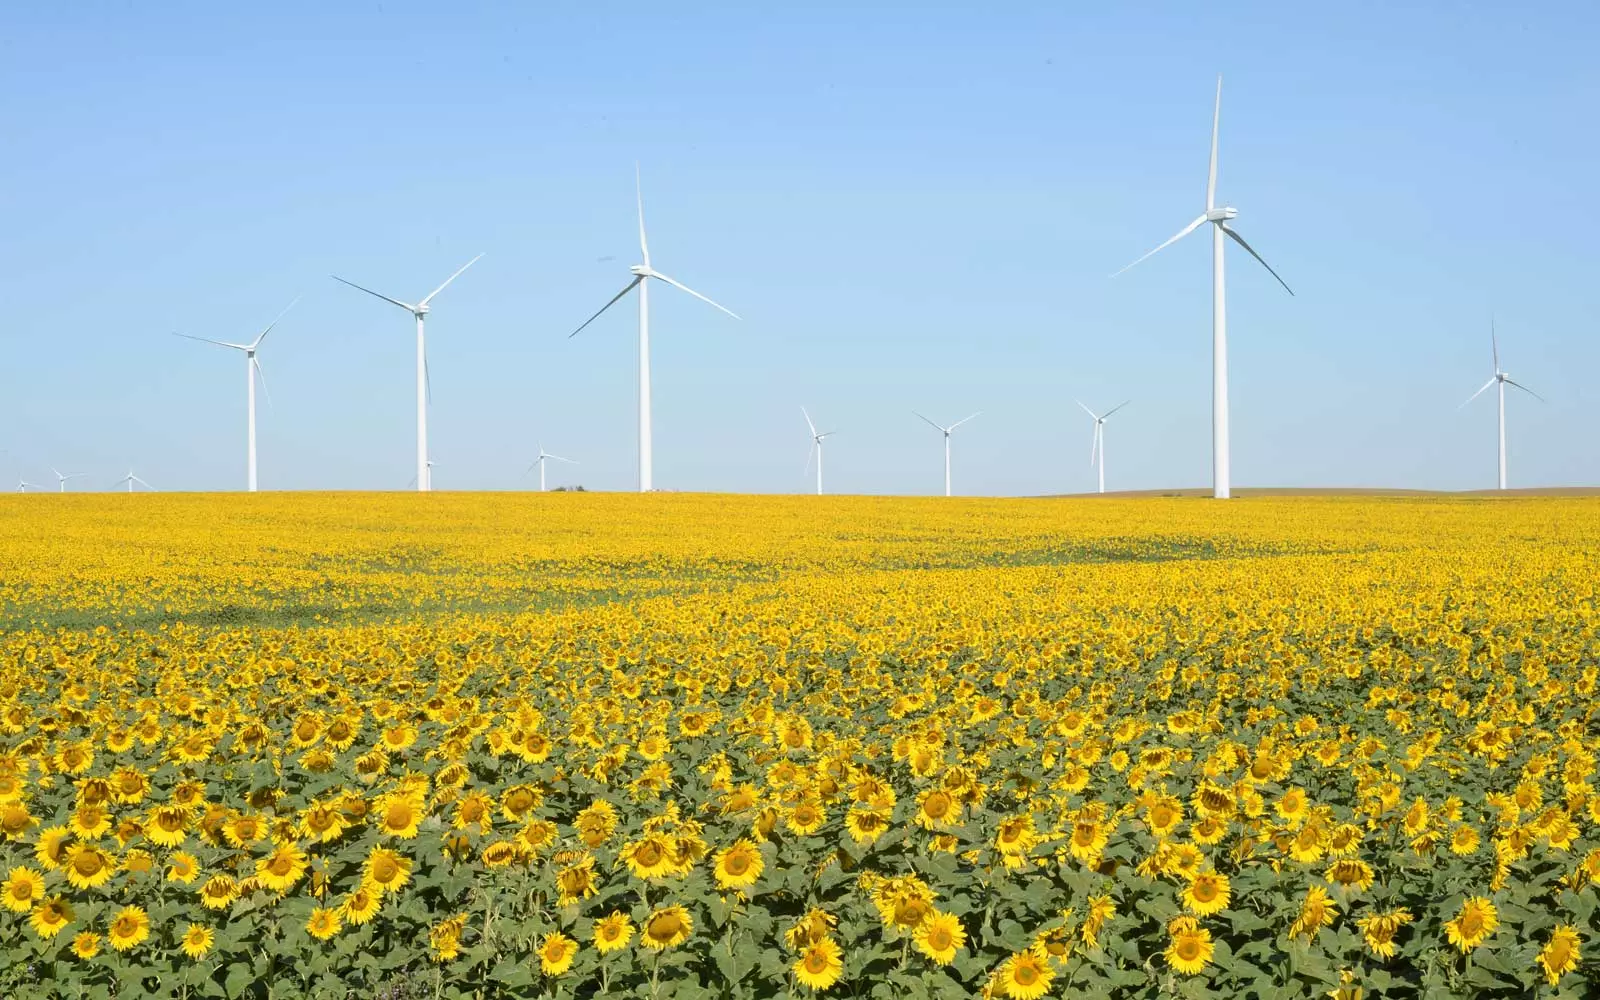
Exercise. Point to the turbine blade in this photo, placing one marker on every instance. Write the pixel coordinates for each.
(1094, 444)
(1251, 250)
(603, 308)
(427, 379)
(535, 465)
(930, 423)
(558, 458)
(57, 474)
(1494, 343)
(809, 424)
(1114, 409)
(1480, 392)
(263, 334)
(219, 343)
(810, 453)
(963, 420)
(263, 377)
(1091, 413)
(638, 191)
(679, 285)
(1185, 231)
(1211, 175)
(1527, 390)
(407, 307)
(447, 281)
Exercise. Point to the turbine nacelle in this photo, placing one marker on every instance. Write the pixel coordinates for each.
(1222, 214)
(641, 270)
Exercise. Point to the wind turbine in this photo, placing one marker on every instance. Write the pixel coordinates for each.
(540, 463)
(640, 273)
(1218, 217)
(423, 479)
(816, 448)
(413, 480)
(946, 432)
(24, 486)
(1099, 443)
(1501, 380)
(252, 371)
(62, 480)
(130, 479)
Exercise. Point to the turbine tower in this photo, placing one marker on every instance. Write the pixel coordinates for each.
(641, 272)
(946, 432)
(1500, 380)
(130, 479)
(423, 479)
(62, 480)
(543, 455)
(1218, 217)
(252, 371)
(1098, 445)
(816, 448)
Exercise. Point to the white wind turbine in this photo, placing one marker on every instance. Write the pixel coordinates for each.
(539, 462)
(1501, 380)
(423, 479)
(816, 448)
(413, 480)
(1098, 445)
(640, 273)
(1218, 217)
(62, 480)
(130, 479)
(252, 371)
(24, 486)
(946, 432)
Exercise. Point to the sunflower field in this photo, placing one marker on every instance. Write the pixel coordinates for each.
(580, 745)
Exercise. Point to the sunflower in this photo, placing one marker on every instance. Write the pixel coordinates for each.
(1317, 911)
(23, 888)
(866, 825)
(1464, 840)
(280, 870)
(168, 825)
(596, 822)
(940, 937)
(51, 848)
(556, 952)
(612, 932)
(519, 800)
(1163, 816)
(86, 945)
(1101, 910)
(219, 892)
(130, 926)
(197, 940)
(819, 965)
(739, 866)
(323, 821)
(89, 821)
(477, 809)
(243, 830)
(1560, 954)
(324, 923)
(360, 906)
(806, 817)
(386, 871)
(1350, 873)
(577, 881)
(1190, 948)
(88, 866)
(399, 816)
(15, 820)
(1206, 893)
(1474, 922)
(936, 809)
(1379, 930)
(1088, 840)
(649, 857)
(50, 916)
(1025, 975)
(666, 928)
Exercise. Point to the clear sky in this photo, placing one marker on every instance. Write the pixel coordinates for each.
(912, 207)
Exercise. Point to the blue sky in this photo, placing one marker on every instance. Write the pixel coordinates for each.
(911, 207)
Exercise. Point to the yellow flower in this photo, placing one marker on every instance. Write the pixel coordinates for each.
(399, 816)
(185, 868)
(387, 871)
(51, 848)
(1189, 949)
(1207, 893)
(1317, 911)
(1351, 873)
(88, 866)
(86, 945)
(1026, 975)
(130, 926)
(23, 888)
(1379, 930)
(612, 932)
(556, 952)
(738, 866)
(936, 810)
(219, 892)
(666, 928)
(361, 905)
(281, 869)
(324, 923)
(1474, 922)
(940, 936)
(50, 916)
(648, 858)
(806, 818)
(820, 965)
(197, 940)
(1561, 953)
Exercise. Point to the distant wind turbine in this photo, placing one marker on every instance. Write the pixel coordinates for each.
(428, 467)
(130, 479)
(539, 462)
(62, 480)
(422, 478)
(1098, 445)
(946, 432)
(640, 273)
(24, 486)
(252, 371)
(1218, 217)
(815, 450)
(1500, 379)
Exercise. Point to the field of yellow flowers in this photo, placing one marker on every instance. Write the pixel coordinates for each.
(574, 745)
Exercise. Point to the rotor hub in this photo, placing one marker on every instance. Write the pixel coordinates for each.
(1222, 214)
